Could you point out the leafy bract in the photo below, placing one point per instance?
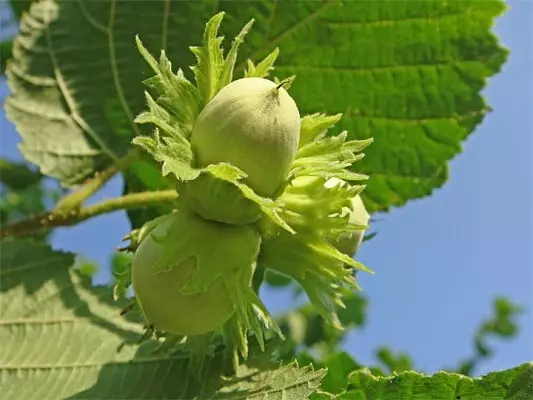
(64, 339)
(511, 384)
(316, 265)
(407, 74)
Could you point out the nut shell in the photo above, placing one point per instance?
(159, 297)
(253, 124)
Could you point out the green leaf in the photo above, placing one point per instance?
(16, 205)
(17, 176)
(319, 395)
(6, 52)
(408, 74)
(306, 330)
(121, 270)
(59, 329)
(66, 339)
(210, 60)
(339, 366)
(355, 312)
(19, 6)
(512, 384)
(74, 97)
(394, 362)
(23, 194)
(274, 279)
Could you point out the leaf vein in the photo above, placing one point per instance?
(370, 69)
(90, 18)
(394, 21)
(114, 68)
(70, 100)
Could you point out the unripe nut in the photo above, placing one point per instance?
(159, 296)
(350, 244)
(253, 124)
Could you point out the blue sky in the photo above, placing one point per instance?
(439, 261)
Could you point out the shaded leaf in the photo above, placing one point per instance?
(23, 193)
(284, 383)
(6, 53)
(66, 340)
(339, 366)
(274, 279)
(394, 362)
(305, 329)
(17, 176)
(75, 96)
(19, 6)
(58, 328)
(15, 205)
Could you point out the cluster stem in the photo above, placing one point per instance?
(51, 219)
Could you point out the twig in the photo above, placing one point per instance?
(50, 219)
(74, 200)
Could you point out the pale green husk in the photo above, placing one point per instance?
(294, 228)
(254, 124)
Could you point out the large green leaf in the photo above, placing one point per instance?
(408, 73)
(512, 384)
(62, 338)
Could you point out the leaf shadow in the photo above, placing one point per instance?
(154, 375)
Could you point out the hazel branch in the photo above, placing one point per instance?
(75, 199)
(50, 219)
